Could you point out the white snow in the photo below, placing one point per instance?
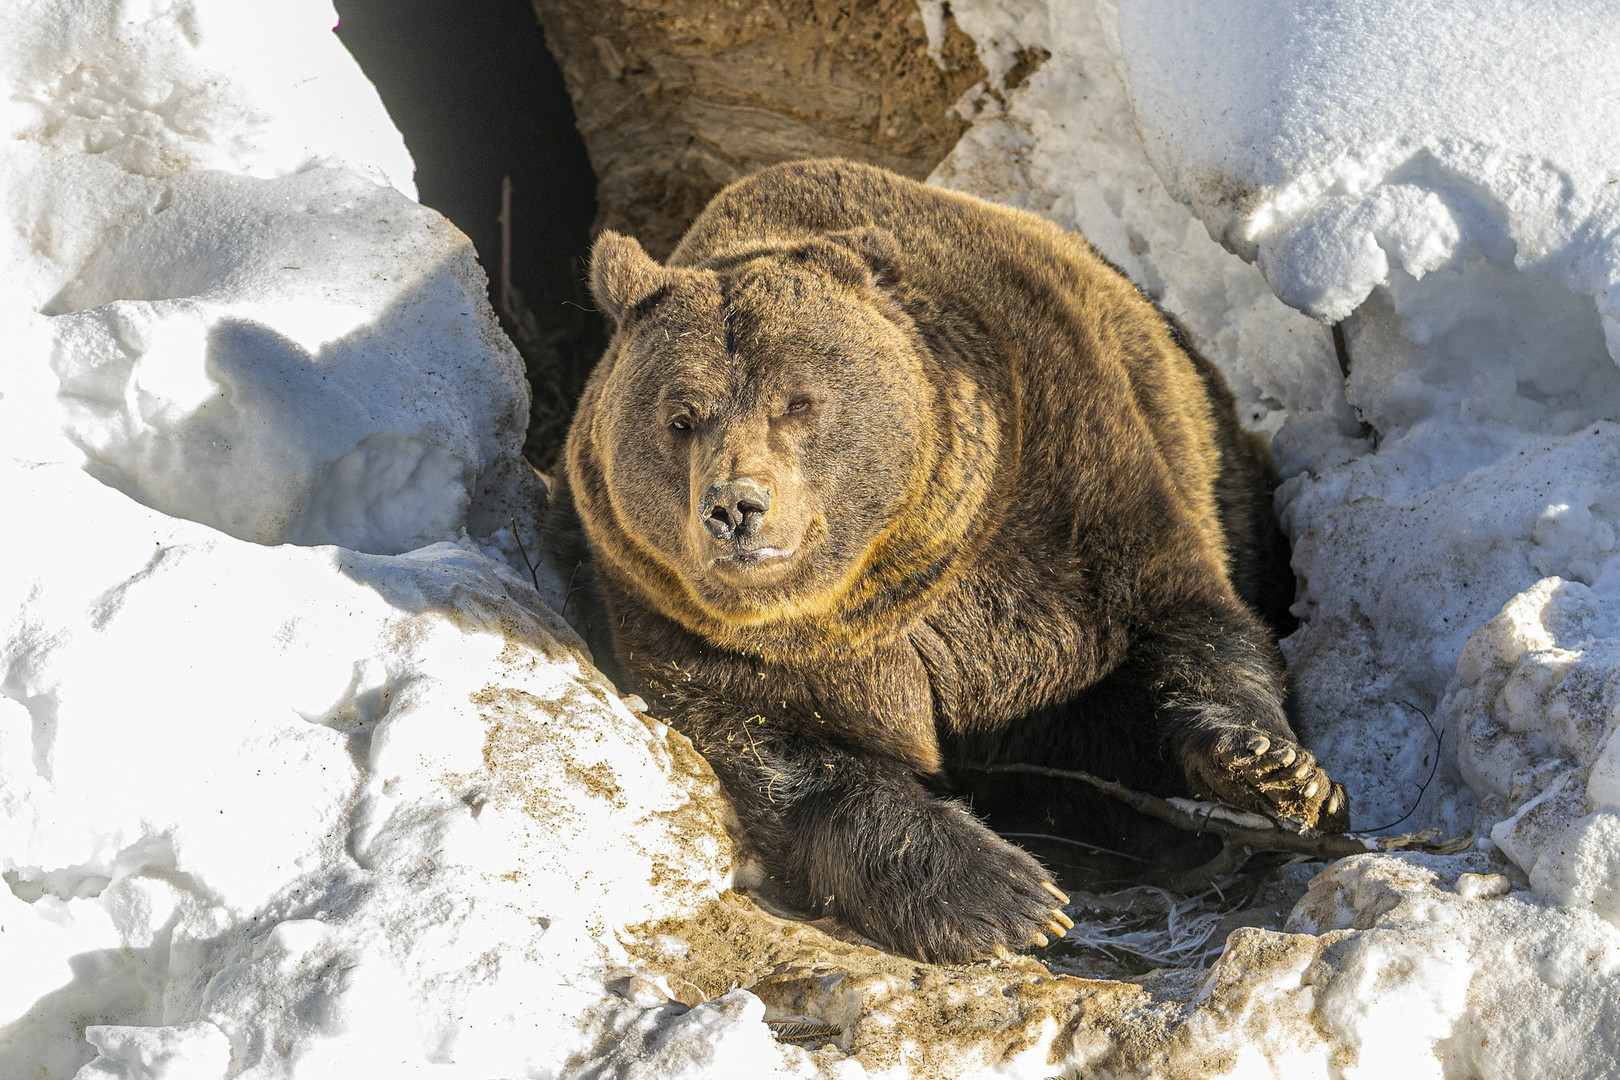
(201, 208)
(1341, 141)
(300, 777)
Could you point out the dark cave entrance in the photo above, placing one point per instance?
(482, 106)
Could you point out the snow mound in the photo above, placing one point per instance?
(1343, 142)
(228, 280)
(296, 810)
(236, 385)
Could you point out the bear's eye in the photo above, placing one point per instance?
(797, 405)
(680, 423)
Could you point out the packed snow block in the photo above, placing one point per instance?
(309, 359)
(1421, 974)
(1343, 142)
(1536, 701)
(249, 320)
(1404, 554)
(332, 805)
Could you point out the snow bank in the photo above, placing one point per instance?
(296, 811)
(1342, 142)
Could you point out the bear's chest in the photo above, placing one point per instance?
(995, 650)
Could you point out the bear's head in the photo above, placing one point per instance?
(762, 437)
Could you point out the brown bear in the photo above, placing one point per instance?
(881, 483)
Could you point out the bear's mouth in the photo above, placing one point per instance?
(740, 559)
(741, 556)
(757, 561)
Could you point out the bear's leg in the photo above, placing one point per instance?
(1258, 567)
(1196, 709)
(1102, 733)
(858, 836)
(1214, 684)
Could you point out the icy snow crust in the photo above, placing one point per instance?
(300, 777)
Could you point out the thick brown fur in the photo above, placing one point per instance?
(880, 483)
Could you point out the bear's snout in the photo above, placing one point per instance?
(734, 509)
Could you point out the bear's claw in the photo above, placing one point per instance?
(1059, 924)
(1270, 774)
(1336, 811)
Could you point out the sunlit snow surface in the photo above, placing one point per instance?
(300, 777)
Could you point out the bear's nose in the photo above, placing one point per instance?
(733, 509)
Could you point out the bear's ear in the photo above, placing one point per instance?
(869, 255)
(623, 274)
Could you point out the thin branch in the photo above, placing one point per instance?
(534, 577)
(1054, 838)
(1423, 788)
(1221, 821)
(569, 595)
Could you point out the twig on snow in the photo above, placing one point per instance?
(1423, 788)
(534, 577)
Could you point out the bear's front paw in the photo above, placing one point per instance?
(954, 891)
(1255, 770)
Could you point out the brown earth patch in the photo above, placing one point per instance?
(892, 1012)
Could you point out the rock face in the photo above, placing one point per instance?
(677, 98)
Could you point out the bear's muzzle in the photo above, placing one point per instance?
(735, 509)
